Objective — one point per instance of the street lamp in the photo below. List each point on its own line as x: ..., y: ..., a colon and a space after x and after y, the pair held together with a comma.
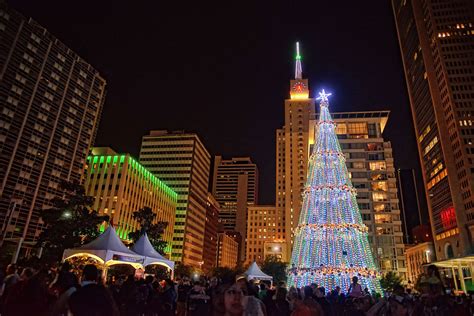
x: 427, y: 252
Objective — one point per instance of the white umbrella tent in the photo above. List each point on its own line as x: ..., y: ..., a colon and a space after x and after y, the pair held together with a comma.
x: 254, y: 273
x: 108, y: 249
x: 144, y: 248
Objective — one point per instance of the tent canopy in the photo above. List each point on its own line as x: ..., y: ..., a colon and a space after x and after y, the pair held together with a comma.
x: 144, y: 248
x: 254, y: 272
x: 108, y: 248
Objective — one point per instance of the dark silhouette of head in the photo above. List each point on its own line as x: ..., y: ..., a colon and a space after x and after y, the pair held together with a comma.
x: 90, y: 273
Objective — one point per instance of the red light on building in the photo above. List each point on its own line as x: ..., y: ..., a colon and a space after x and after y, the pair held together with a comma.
x: 448, y: 217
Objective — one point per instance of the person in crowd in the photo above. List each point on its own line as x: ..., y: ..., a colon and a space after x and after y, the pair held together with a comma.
x: 168, y: 298
x: 280, y: 305
x: 262, y: 291
x: 320, y: 298
x: 227, y: 300
x: 64, y: 286
x: 198, y: 300
x: 29, y: 296
x: 251, y: 304
x: 183, y: 288
x: 310, y: 302
x: 355, y: 289
x: 10, y: 279
x: 92, y: 298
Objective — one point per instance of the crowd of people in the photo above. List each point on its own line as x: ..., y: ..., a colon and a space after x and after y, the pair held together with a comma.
x: 27, y: 291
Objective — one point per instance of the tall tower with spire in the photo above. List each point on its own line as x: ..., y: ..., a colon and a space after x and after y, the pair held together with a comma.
x: 293, y: 149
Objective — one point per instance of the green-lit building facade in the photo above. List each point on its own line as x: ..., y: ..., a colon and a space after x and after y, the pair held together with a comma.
x: 120, y: 185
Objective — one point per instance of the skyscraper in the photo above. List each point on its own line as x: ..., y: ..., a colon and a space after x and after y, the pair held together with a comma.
x: 181, y: 161
x: 292, y: 151
x: 51, y: 104
x: 235, y: 186
x: 210, y: 234
x: 121, y: 186
x: 437, y: 46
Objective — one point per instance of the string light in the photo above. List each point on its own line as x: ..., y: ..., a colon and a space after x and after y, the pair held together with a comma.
x: 330, y: 244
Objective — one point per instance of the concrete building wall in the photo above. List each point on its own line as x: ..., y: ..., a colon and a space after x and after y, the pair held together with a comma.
x: 51, y: 102
x: 264, y: 229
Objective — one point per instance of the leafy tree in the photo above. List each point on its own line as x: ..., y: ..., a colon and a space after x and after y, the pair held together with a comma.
x: 182, y: 270
x: 274, y: 267
x: 70, y: 222
x: 226, y: 274
x: 145, y: 217
x: 390, y: 281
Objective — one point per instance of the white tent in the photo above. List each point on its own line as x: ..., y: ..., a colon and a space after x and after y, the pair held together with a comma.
x: 144, y: 248
x: 108, y: 249
x: 254, y: 272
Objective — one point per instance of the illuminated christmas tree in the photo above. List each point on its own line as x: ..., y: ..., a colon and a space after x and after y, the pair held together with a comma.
x: 330, y: 243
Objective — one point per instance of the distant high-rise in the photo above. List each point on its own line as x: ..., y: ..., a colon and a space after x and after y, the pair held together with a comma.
x: 181, y: 161
x: 120, y: 186
x: 235, y: 187
x: 51, y: 101
x: 264, y: 235
x: 227, y: 250
x: 210, y: 234
x: 437, y: 47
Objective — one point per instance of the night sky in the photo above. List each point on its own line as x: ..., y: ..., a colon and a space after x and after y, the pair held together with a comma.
x: 222, y: 69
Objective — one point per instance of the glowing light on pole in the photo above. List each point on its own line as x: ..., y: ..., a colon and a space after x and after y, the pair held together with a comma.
x: 298, y: 68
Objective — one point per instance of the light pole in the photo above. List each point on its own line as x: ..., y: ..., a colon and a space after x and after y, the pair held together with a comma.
x: 416, y: 195
x: 6, y: 223
x: 403, y: 205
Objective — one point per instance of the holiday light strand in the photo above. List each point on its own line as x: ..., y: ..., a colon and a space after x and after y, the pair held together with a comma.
x: 362, y: 228
x: 337, y: 270
x: 326, y: 122
x: 320, y: 187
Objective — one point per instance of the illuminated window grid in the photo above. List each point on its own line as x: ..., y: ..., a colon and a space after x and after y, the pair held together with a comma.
x: 181, y: 161
x: 447, y: 234
x: 262, y: 226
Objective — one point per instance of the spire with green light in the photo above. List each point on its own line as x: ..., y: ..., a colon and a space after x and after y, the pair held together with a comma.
x: 298, y: 68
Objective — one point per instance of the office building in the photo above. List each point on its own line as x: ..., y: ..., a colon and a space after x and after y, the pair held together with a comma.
x: 120, y: 186
x: 264, y: 234
x: 292, y: 150
x: 437, y: 46
x: 235, y: 186
x: 227, y: 251
x: 51, y: 101
x: 417, y: 256
x: 210, y: 234
x: 181, y: 161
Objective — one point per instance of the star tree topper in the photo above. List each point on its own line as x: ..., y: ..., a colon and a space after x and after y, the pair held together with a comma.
x: 323, y: 96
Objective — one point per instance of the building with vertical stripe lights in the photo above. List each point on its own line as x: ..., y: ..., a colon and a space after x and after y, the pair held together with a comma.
x: 181, y: 161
